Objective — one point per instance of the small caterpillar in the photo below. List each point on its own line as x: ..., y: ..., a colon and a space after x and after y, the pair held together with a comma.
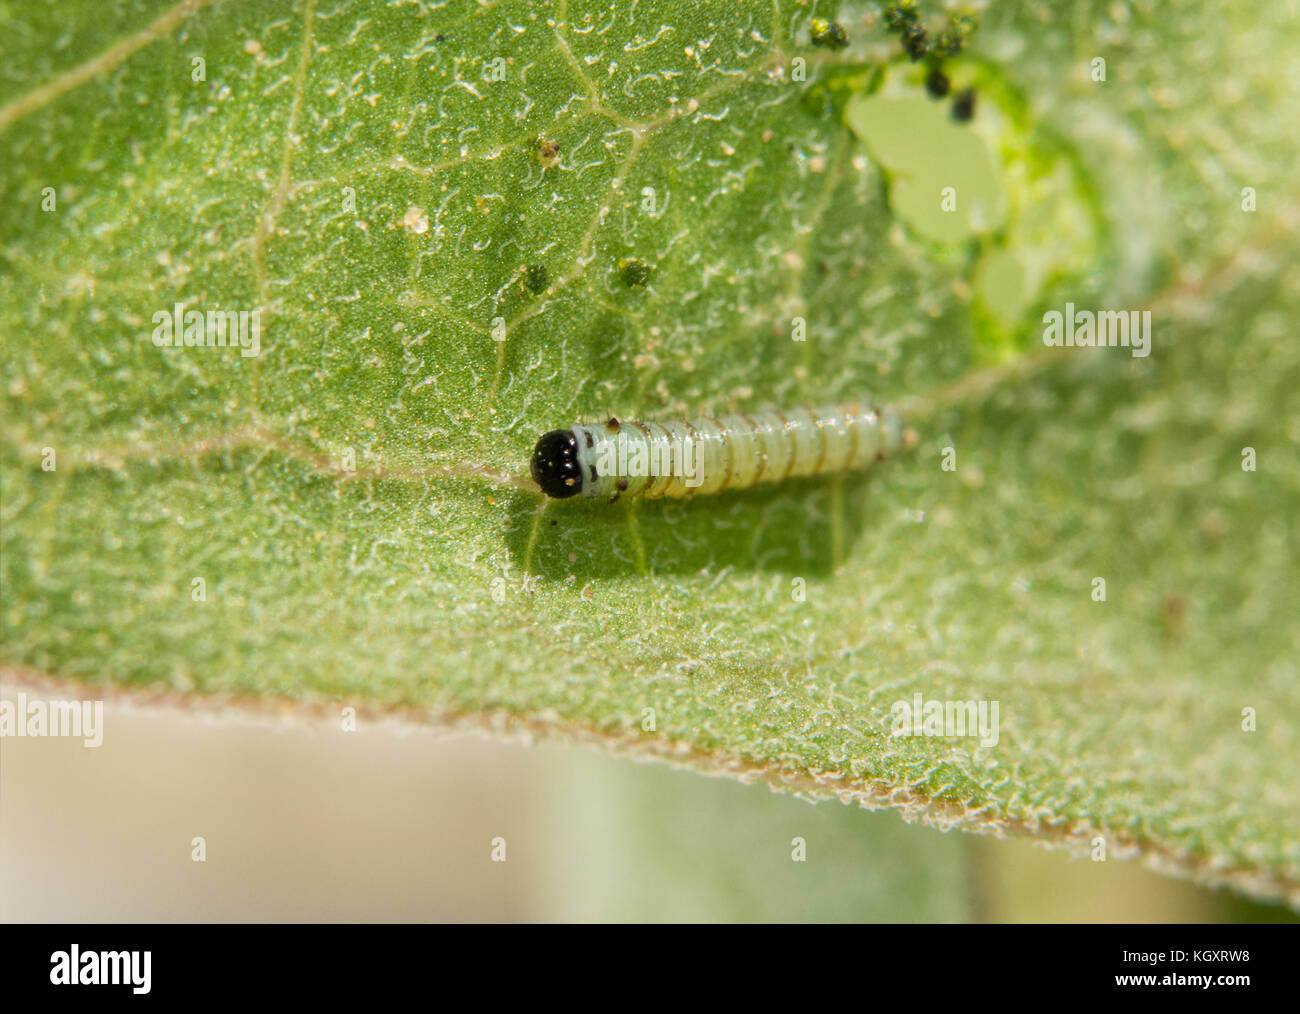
x: 680, y: 458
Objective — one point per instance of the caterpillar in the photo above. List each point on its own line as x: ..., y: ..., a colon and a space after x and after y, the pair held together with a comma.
x: 691, y: 458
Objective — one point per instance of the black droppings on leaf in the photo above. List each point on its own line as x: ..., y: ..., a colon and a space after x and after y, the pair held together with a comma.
x: 916, y: 41
x: 904, y: 18
x: 937, y: 84
x: 829, y: 34
x: 537, y: 278
x: 634, y: 272
x: 901, y: 14
x: 547, y: 150
x: 963, y: 106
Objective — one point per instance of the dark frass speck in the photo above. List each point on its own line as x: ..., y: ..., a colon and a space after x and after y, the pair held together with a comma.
x: 916, y: 42
x: 905, y: 19
x: 829, y: 34
x: 963, y: 106
x: 547, y: 151
x: 937, y: 84
x: 634, y: 272
x: 900, y: 14
x: 537, y: 278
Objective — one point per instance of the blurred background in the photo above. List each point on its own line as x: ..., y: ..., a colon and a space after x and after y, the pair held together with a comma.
x: 305, y: 822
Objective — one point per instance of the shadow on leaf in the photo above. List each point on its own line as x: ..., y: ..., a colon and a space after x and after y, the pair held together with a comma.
x: 794, y: 528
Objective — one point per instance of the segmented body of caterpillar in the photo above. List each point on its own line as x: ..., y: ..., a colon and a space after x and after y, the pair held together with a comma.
x: 680, y: 458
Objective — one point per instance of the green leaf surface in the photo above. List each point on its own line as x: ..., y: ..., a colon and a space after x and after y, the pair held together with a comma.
x: 354, y: 498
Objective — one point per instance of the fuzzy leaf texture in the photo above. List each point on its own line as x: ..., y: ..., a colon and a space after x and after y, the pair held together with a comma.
x: 355, y: 501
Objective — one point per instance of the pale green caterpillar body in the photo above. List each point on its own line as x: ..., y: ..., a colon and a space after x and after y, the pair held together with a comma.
x: 686, y: 458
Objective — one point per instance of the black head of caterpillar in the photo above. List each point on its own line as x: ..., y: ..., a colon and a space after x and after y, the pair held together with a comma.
x: 555, y: 464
